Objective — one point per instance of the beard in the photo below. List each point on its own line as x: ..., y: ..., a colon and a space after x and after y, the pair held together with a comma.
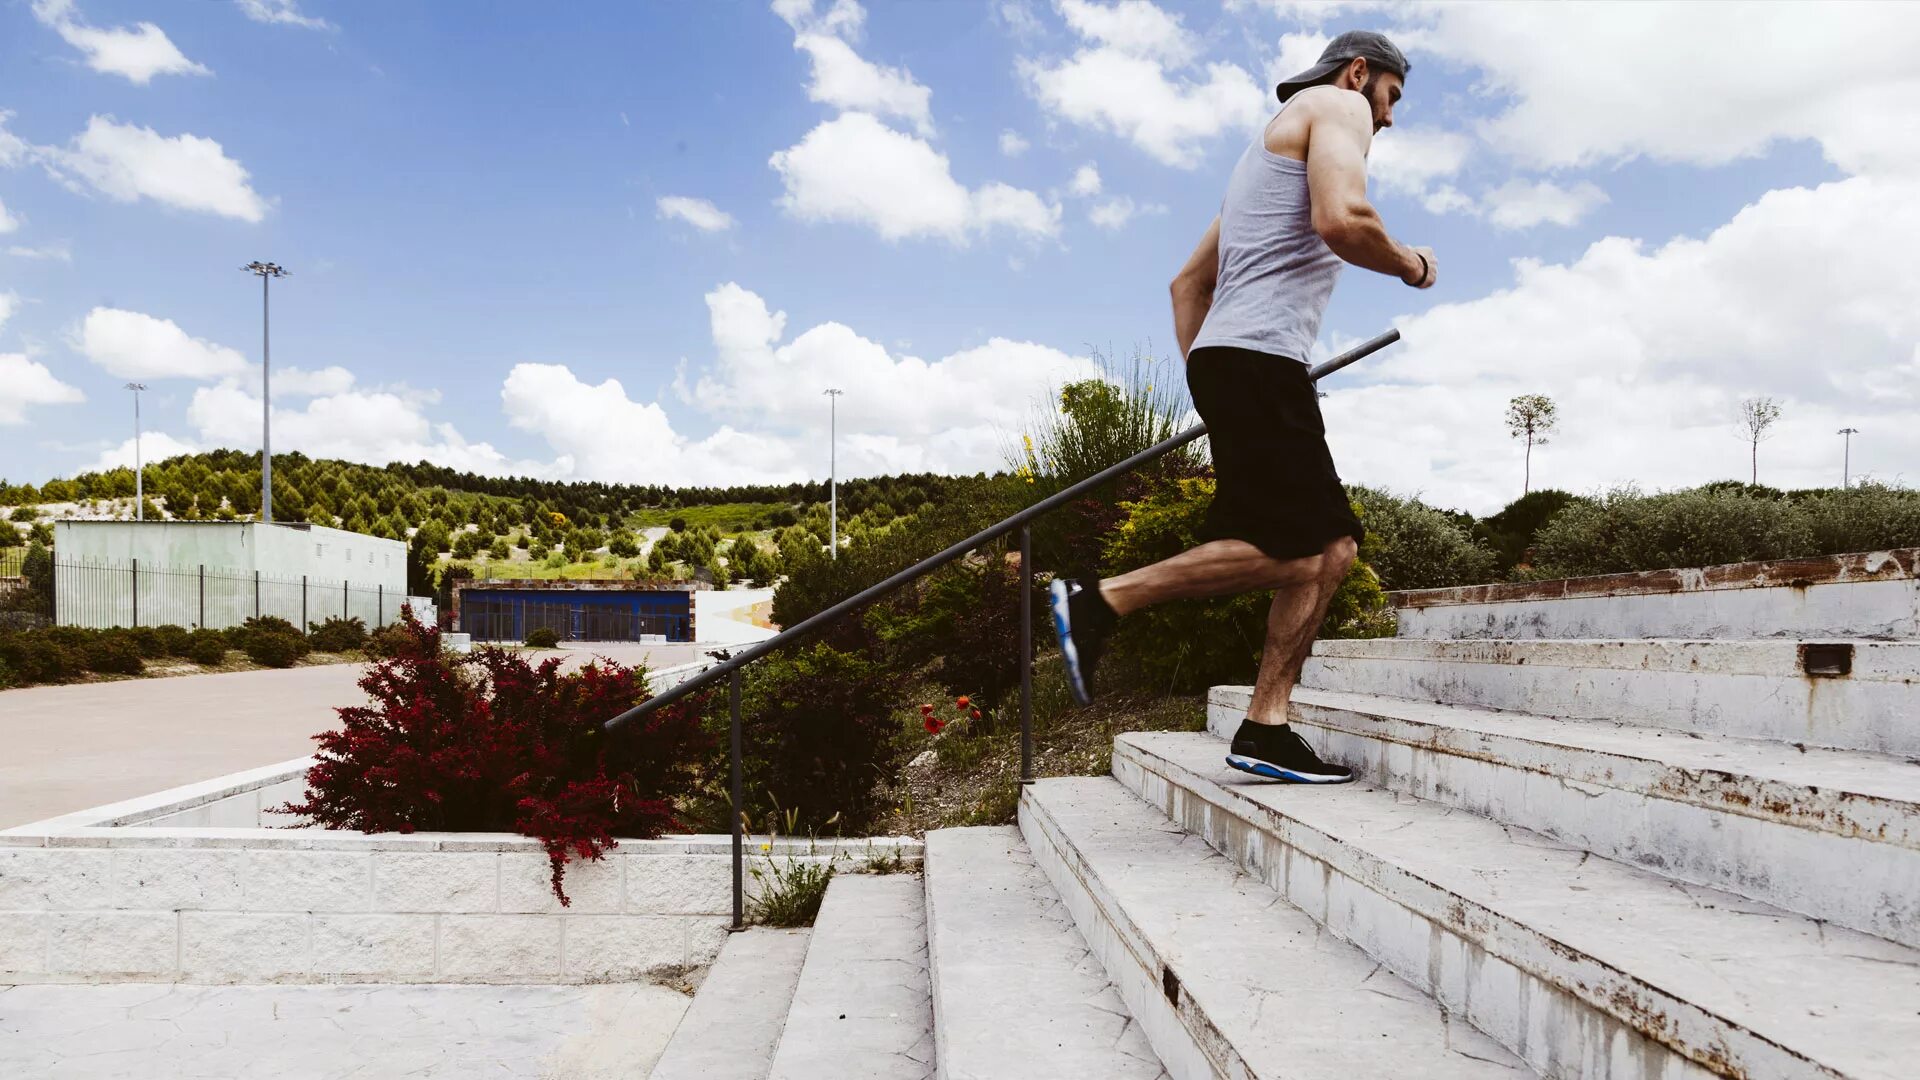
x: 1373, y: 103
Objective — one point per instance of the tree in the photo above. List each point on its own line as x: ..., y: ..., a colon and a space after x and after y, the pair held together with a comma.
x: 1757, y: 414
x: 1530, y: 416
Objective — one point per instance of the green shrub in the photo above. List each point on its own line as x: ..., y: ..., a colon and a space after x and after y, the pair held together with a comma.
x: 38, y: 657
x: 1625, y: 530
x: 112, y: 654
x: 172, y: 640
x: 275, y: 649
x: 1510, y: 532
x: 6, y: 676
x: 386, y: 641
x: 1414, y: 546
x: 962, y: 625
x: 338, y: 635
x: 790, y: 895
x: 207, y: 647
x: 821, y: 737
x: 1865, y: 517
x: 543, y: 637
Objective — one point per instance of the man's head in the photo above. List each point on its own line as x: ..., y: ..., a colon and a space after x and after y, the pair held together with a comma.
x: 1362, y: 61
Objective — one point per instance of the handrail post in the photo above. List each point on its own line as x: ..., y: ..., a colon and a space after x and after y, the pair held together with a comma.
x: 203, y: 597
x: 304, y: 625
x: 136, y: 594
x: 1026, y: 654
x: 739, y: 888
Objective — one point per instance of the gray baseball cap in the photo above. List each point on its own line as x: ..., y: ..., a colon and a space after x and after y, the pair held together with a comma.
x: 1380, y: 54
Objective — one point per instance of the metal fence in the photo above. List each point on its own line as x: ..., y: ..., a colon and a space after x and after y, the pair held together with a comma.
x: 103, y: 593
x: 12, y: 559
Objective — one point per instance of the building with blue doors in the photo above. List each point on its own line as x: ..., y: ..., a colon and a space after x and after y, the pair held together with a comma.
x: 575, y: 610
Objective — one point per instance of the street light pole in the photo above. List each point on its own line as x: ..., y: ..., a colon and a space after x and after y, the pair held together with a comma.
x: 1846, y: 455
x: 833, y: 490
x: 139, y: 466
x: 265, y: 271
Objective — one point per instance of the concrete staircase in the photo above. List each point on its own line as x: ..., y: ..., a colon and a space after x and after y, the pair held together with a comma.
x: 1686, y: 844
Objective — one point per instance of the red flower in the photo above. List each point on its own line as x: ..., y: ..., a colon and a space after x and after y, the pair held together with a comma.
x: 933, y: 724
x: 976, y: 714
x: 962, y: 701
x: 928, y: 709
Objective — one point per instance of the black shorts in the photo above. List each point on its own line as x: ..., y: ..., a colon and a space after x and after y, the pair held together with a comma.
x: 1274, y: 482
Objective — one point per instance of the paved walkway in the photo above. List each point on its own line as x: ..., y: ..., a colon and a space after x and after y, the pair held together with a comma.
x: 140, y: 1031
x: 88, y: 744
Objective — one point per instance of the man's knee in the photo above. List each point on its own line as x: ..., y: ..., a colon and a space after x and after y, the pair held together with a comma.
x: 1338, y: 558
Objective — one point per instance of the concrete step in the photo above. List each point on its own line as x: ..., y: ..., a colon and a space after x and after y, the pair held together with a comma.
x: 1789, y: 691
x: 1834, y: 834
x: 861, y: 1010
x: 1226, y: 978
x: 1016, y: 993
x: 1874, y: 594
x: 731, y: 1029
x: 1582, y: 966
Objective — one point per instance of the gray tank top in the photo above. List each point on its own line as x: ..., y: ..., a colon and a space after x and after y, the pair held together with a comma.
x: 1276, y: 274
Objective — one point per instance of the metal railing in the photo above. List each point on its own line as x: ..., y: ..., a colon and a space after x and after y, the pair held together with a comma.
x: 100, y: 593
x: 730, y: 665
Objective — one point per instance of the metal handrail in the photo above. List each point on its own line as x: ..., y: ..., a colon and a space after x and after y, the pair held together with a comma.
x: 729, y: 667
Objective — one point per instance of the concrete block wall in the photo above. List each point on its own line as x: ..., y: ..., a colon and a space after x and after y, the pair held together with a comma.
x: 259, y: 905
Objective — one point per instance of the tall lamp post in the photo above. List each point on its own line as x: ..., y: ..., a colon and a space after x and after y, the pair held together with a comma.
x: 266, y: 271
x: 1846, y: 454
x: 833, y: 491
x: 139, y: 467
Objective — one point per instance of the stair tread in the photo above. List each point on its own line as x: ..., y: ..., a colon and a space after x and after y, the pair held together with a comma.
x: 731, y: 1029
x: 1861, y: 773
x: 1873, y: 658
x: 1016, y: 990
x: 1285, y: 997
x: 1838, y: 997
x: 861, y: 1009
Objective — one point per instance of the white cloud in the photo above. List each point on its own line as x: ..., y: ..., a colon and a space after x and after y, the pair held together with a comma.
x: 133, y: 345
x: 154, y: 446
x: 299, y: 382
x: 283, y: 12
x: 856, y: 170
x: 1085, y: 182
x: 1647, y: 350
x: 1134, y: 27
x: 1585, y: 88
x: 1120, y: 83
x: 1522, y: 204
x: 699, y: 213
x: 844, y: 80
x: 126, y: 163
x: 842, y: 18
x: 1407, y: 161
x: 138, y: 54
x: 1114, y: 213
x: 1012, y: 144
x: 1298, y: 52
x: 25, y: 382
x: 58, y: 251
x: 372, y: 426
x: 8, y: 223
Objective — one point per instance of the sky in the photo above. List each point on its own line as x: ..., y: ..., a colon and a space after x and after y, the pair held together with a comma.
x: 635, y: 242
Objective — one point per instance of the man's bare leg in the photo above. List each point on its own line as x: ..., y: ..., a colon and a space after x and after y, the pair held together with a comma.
x: 1293, y: 621
x: 1302, y: 590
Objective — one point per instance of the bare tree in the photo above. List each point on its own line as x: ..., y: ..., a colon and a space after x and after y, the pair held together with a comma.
x: 1757, y: 414
x: 1530, y: 417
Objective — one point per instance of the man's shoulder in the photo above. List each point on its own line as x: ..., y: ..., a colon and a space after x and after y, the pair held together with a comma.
x: 1332, y: 103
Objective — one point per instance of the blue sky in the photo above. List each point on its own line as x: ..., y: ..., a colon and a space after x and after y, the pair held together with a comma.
x: 632, y: 241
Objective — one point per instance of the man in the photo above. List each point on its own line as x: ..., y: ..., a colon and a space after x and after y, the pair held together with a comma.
x: 1246, y: 311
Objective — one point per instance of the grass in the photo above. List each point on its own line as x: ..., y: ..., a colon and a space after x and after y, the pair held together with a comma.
x: 790, y: 895
x: 974, y: 778
x: 725, y: 515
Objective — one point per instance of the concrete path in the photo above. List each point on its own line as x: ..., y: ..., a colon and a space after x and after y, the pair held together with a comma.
x: 87, y: 744
x: 138, y: 1031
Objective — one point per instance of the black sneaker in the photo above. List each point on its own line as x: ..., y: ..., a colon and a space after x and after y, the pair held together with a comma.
x: 1277, y: 752
x: 1083, y: 620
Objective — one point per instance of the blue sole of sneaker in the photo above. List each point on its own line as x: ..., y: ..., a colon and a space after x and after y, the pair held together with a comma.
x: 1269, y: 771
x: 1063, y: 631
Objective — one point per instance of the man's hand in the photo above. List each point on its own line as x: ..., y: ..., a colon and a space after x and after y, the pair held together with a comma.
x: 1422, y: 274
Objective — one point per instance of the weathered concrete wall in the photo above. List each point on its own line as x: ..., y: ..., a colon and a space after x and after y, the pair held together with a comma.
x: 1866, y: 595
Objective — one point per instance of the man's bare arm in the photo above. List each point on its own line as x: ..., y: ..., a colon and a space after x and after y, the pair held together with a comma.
x: 1338, y: 133
x: 1192, y: 288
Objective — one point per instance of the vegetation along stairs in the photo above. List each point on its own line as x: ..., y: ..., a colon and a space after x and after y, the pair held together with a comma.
x: 1609, y: 857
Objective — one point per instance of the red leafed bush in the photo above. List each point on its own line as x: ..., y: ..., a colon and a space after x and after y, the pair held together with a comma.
x: 491, y: 743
